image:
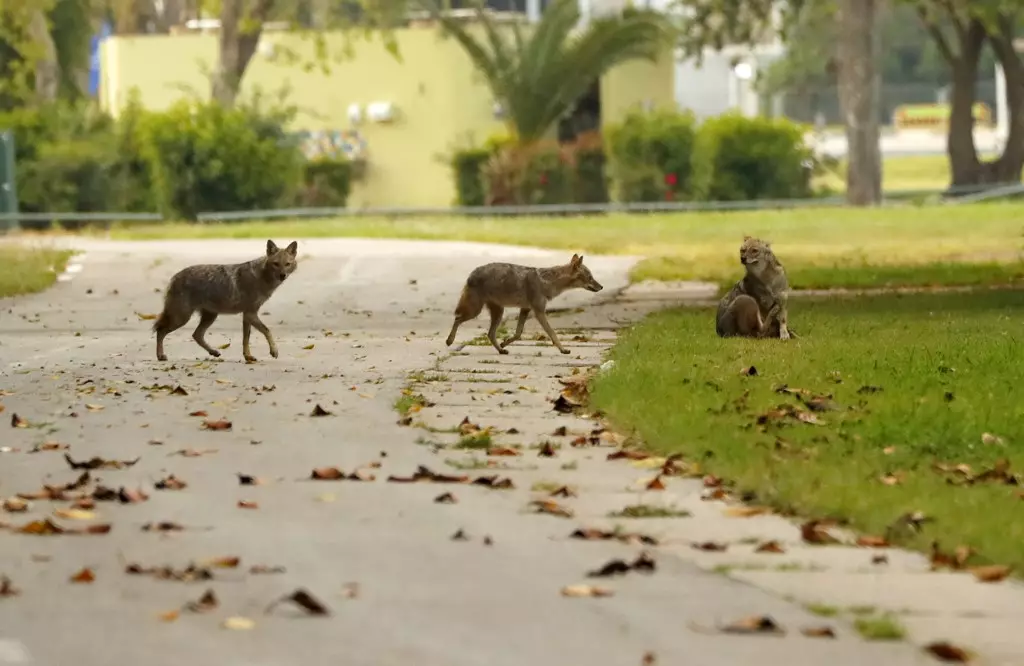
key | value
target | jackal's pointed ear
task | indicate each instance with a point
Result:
(746, 238)
(271, 247)
(576, 260)
(292, 248)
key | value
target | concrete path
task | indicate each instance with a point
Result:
(359, 323)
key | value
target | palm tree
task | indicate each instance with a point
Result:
(537, 78)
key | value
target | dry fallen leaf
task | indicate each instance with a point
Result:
(304, 600)
(947, 652)
(823, 631)
(320, 411)
(868, 541)
(74, 514)
(770, 547)
(446, 498)
(238, 623)
(146, 317)
(816, 532)
(585, 591)
(201, 412)
(7, 588)
(204, 604)
(710, 546)
(15, 505)
(18, 422)
(551, 507)
(564, 491)
(170, 483)
(228, 562)
(265, 569)
(655, 484)
(217, 425)
(327, 474)
(84, 576)
(503, 451)
(992, 573)
(755, 624)
(246, 504)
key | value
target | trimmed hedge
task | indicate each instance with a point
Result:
(652, 155)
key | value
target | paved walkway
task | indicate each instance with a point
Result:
(359, 323)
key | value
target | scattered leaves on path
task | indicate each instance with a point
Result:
(746, 511)
(47, 527)
(869, 541)
(755, 624)
(238, 623)
(770, 547)
(320, 411)
(593, 534)
(816, 532)
(189, 574)
(246, 504)
(446, 498)
(204, 604)
(216, 425)
(494, 482)
(710, 546)
(15, 505)
(18, 422)
(644, 563)
(424, 474)
(163, 526)
(992, 573)
(261, 569)
(7, 588)
(822, 631)
(171, 483)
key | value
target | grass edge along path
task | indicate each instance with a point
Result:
(964, 245)
(917, 399)
(29, 270)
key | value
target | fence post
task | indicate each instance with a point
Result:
(8, 185)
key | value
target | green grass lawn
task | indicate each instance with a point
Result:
(948, 369)
(824, 247)
(26, 270)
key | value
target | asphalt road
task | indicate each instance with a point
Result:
(78, 364)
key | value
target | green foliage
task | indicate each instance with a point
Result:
(467, 166)
(651, 155)
(538, 77)
(204, 157)
(326, 183)
(740, 159)
(590, 179)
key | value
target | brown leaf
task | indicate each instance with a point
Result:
(424, 474)
(162, 526)
(992, 573)
(169, 616)
(217, 425)
(304, 600)
(880, 559)
(265, 569)
(192, 453)
(7, 588)
(228, 562)
(816, 532)
(84, 576)
(710, 546)
(564, 405)
(41, 527)
(460, 535)
(585, 591)
(200, 412)
(48, 446)
(591, 534)
(494, 482)
(246, 504)
(628, 454)
(755, 624)
(99, 463)
(204, 604)
(770, 547)
(611, 568)
(823, 631)
(179, 390)
(551, 507)
(546, 450)
(15, 505)
(18, 422)
(502, 451)
(171, 483)
(320, 411)
(868, 541)
(564, 491)
(247, 480)
(947, 652)
(749, 372)
(446, 498)
(655, 484)
(327, 474)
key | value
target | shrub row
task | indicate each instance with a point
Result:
(658, 156)
(193, 157)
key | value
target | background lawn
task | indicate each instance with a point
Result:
(26, 270)
(824, 247)
(949, 370)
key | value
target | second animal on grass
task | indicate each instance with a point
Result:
(216, 289)
(499, 285)
(756, 306)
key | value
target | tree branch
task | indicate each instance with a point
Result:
(936, 34)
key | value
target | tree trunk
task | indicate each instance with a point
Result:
(859, 85)
(172, 14)
(237, 46)
(963, 155)
(1007, 169)
(47, 68)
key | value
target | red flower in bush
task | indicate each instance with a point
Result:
(543, 179)
(670, 179)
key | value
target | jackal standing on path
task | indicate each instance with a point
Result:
(216, 289)
(500, 285)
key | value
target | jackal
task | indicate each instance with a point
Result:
(756, 306)
(216, 289)
(500, 285)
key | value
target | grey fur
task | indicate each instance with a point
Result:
(757, 305)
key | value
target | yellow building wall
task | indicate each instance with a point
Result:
(441, 103)
(637, 85)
